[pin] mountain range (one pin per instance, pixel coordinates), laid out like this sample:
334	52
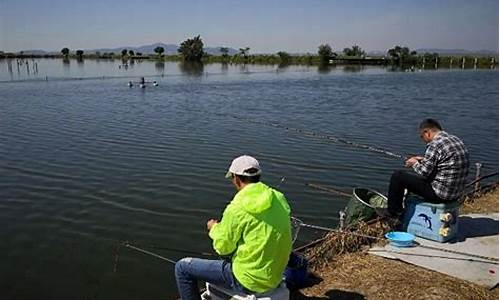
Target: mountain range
170	49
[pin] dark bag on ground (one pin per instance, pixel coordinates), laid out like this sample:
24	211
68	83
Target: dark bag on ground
296	271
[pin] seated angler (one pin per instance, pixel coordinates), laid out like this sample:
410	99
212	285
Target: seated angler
439	176
255	231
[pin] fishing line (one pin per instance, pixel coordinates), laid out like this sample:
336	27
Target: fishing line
415	243
328	189
310	133
304	132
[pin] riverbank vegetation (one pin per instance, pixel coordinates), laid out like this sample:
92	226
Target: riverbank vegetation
191	50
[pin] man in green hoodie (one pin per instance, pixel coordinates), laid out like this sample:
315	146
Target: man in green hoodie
255	231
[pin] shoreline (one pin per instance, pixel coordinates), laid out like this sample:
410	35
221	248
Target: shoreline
445	62
358	275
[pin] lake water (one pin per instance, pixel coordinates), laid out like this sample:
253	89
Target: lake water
85	163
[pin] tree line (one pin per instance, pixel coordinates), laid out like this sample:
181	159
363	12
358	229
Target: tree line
191	50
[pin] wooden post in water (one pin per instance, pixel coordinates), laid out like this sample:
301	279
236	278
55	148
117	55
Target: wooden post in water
436	64
463	62
492	63
423	63
475	63
451	62
477	187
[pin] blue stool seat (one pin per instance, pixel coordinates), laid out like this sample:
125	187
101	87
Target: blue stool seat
433	221
214	292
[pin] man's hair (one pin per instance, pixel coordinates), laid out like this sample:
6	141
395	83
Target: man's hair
429	124
249	179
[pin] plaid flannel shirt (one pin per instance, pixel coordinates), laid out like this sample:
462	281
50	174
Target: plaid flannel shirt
445	165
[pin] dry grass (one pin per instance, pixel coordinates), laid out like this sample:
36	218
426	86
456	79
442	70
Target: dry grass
484	203
348	241
363	276
344	271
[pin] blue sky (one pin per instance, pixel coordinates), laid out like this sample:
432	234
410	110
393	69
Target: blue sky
264	26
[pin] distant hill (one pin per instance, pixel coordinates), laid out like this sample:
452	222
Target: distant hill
376	53
170	49
35	52
452	52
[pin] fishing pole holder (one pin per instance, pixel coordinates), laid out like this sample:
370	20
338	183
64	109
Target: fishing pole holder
342	217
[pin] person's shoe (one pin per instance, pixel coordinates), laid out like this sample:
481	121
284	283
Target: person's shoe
393	220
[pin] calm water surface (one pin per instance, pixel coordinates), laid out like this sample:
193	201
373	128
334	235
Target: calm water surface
84	163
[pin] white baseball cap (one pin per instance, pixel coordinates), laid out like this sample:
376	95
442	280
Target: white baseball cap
242	164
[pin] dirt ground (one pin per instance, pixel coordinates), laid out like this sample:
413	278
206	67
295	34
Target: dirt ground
361	276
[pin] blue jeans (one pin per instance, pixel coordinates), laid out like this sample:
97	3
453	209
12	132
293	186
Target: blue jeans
189	270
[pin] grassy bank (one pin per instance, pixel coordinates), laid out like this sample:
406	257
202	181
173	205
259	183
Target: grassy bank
344	270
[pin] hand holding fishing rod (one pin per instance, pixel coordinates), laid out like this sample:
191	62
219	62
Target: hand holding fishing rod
409	162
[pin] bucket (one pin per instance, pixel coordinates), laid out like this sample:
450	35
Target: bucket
362	205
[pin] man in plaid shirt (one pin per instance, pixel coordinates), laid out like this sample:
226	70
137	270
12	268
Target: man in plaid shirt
438	177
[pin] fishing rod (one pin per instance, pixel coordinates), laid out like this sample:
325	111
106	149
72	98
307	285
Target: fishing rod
342	193
481	178
138	249
128	245
415	243
433	256
328	189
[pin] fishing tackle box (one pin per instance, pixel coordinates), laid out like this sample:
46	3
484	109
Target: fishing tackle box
433	221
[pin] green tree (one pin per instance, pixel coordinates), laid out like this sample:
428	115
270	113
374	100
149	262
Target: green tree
79	54
138	53
285	58
131	52
159	50
244	52
124	52
224	51
325	52
192	49
354	51
401	55
65	51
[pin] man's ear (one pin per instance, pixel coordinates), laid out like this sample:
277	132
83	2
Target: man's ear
237	181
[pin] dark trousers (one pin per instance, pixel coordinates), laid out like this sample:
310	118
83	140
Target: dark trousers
416	184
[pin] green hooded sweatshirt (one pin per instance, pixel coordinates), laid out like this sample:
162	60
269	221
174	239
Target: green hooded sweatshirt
256	229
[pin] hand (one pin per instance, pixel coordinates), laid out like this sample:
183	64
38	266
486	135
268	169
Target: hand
211	223
411	161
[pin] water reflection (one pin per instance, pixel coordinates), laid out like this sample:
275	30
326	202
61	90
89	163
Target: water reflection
191	68
224	68
9	66
353	68
66	64
325	68
283	66
160	66
244	68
